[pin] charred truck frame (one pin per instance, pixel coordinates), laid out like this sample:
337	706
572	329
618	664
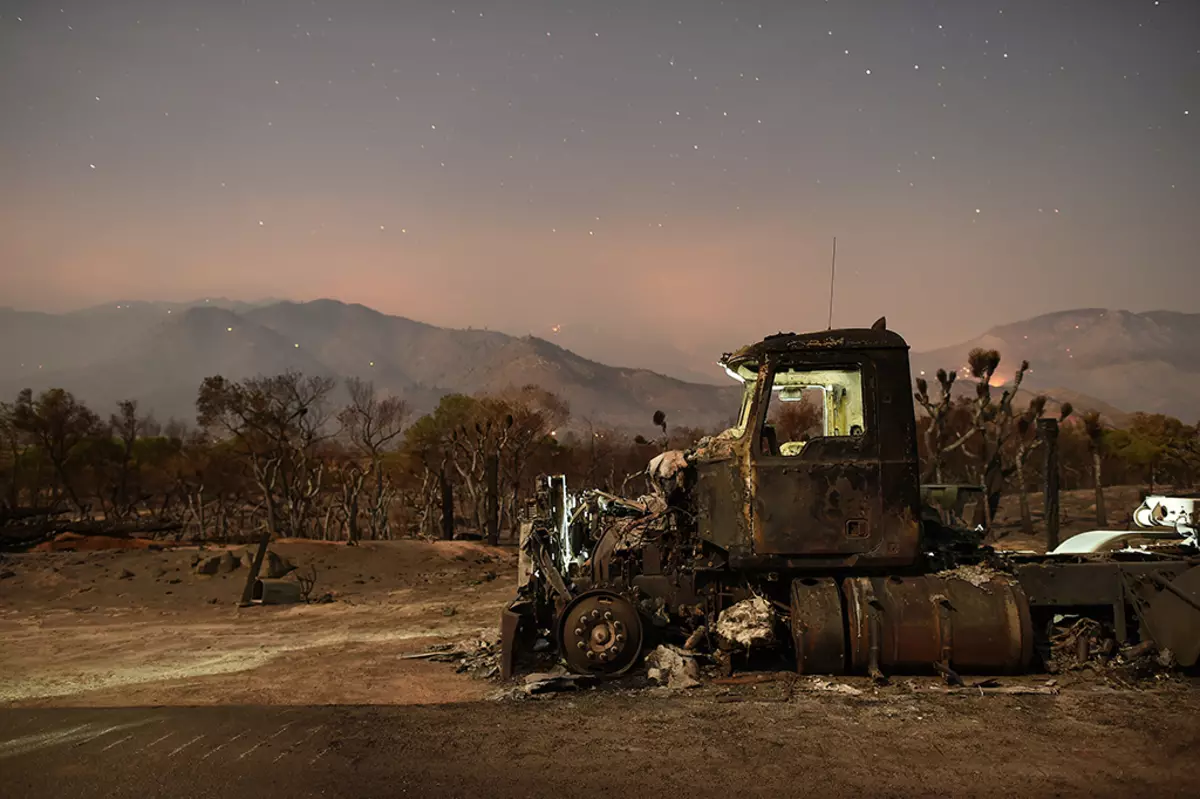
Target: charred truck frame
827	531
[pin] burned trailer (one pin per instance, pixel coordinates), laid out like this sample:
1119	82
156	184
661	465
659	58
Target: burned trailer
802	529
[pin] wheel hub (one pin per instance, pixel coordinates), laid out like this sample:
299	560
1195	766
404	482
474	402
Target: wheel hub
600	632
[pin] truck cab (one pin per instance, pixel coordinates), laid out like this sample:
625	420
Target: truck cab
821	470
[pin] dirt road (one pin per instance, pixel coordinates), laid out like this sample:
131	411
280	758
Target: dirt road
597	744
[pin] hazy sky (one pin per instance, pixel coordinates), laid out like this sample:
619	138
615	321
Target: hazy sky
670	172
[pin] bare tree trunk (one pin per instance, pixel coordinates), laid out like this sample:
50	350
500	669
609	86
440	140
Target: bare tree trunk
1101	513
1023	494
1048	429
447	508
492	468
355	491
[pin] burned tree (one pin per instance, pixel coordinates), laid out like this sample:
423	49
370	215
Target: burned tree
372	425
432	455
994	423
535	413
10	465
1094	427
938	413
126	426
940	438
1027	442
990	429
277	423
58	424
660	421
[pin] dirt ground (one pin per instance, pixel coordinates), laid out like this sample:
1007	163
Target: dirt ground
139	628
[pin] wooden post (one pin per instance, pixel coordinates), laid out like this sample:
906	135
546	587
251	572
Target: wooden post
447	508
1048	430
492	478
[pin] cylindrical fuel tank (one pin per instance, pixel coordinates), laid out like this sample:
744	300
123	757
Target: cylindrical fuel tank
906	624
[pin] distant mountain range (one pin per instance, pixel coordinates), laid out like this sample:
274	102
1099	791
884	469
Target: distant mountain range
159	352
1095	356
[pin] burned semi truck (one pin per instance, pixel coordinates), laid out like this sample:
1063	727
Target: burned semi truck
815	525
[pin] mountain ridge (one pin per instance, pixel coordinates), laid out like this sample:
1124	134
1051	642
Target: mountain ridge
1148	361
159	353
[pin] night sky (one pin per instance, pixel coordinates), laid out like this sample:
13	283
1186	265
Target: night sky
669	172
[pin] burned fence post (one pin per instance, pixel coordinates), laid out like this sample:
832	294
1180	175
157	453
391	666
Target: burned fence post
492	478
1048	431
447	507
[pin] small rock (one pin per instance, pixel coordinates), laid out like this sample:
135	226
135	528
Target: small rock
125	575
208	565
227	562
277	566
4	575
213	601
448	611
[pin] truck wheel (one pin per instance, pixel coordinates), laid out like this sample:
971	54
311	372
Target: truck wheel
600	632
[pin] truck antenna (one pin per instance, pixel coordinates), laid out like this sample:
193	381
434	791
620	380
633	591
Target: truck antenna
832	275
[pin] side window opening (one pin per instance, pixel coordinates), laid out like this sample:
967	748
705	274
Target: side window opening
807	404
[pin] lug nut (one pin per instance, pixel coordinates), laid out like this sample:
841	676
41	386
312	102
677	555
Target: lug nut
595	614
583	620
603	657
591	655
580	645
578	631
608	615
620	637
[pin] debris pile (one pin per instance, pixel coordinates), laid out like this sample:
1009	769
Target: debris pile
746	625
673	667
558	679
977	574
476	657
1084	644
